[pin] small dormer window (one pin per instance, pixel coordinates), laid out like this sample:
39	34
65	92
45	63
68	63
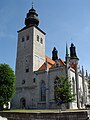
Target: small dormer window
38	38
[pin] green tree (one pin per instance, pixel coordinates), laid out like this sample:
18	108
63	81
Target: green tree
62	90
7	83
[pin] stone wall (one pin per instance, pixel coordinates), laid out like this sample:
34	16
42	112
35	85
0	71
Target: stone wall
45	116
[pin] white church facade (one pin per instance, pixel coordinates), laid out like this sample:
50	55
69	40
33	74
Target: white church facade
36	72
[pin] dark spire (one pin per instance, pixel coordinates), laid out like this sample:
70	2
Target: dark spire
32	17
67	56
86	73
82	71
54	54
73	52
67	50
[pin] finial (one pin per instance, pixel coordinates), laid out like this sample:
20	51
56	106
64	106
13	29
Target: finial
32	5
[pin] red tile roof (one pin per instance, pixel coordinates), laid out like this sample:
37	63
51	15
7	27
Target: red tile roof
51	63
62	63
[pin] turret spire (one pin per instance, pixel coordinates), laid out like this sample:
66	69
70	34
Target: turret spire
54	54
73	54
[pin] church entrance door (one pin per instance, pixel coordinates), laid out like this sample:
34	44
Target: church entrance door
23	103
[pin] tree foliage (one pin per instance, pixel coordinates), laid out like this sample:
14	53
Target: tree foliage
7	82
63	91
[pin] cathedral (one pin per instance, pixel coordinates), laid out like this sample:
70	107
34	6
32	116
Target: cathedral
36	73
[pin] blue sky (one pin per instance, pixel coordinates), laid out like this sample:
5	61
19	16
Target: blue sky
62	20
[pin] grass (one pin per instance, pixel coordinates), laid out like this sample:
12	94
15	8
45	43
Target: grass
31	111
45	111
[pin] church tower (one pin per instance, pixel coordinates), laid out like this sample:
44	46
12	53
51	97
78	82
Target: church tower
74	64
30	55
31	47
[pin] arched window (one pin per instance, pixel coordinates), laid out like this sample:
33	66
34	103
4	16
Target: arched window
55	85
41	41
22	103
22	39
43	91
56	80
27	37
38	38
